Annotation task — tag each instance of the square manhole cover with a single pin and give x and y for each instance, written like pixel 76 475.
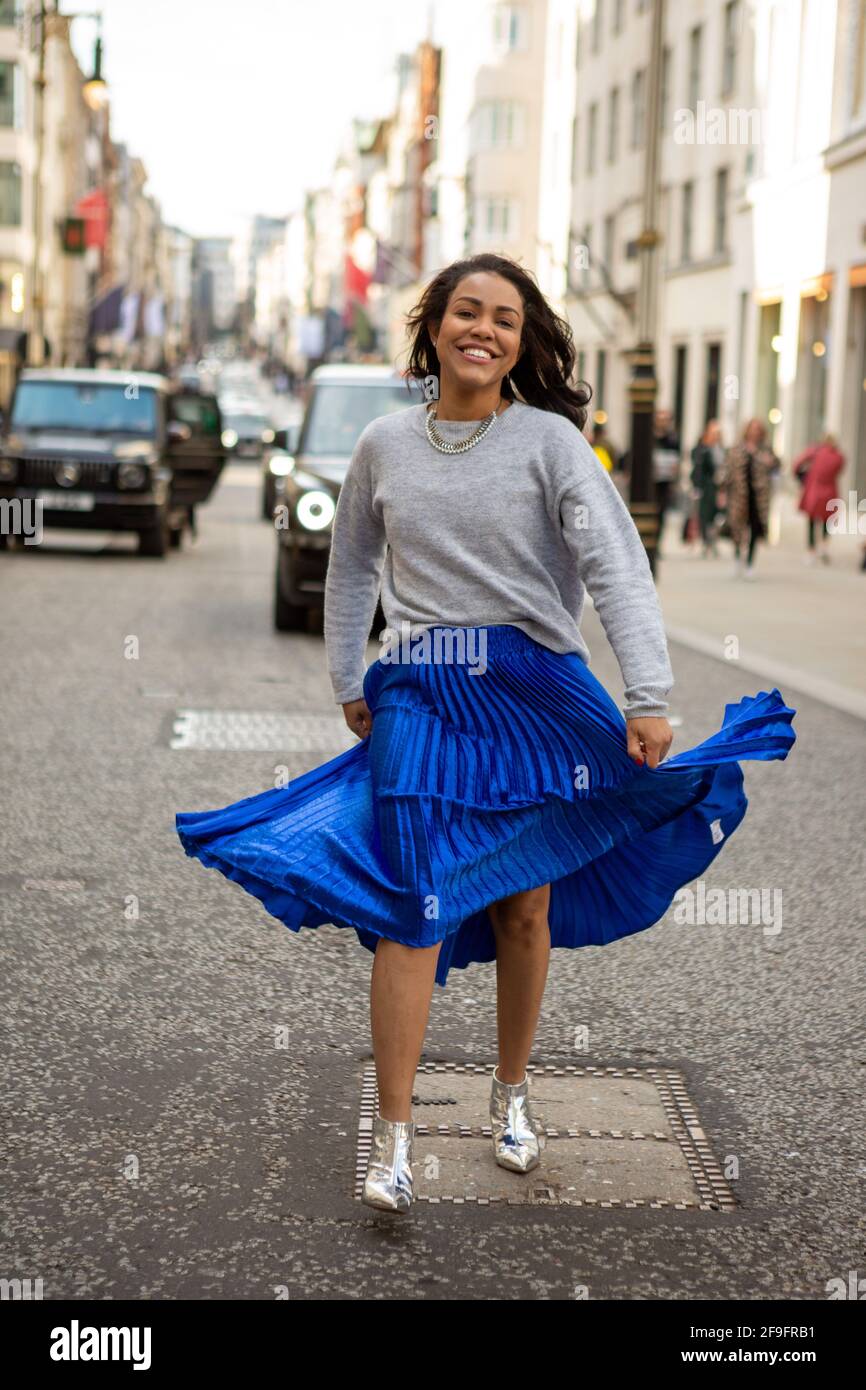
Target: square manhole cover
pixel 260 732
pixel 616 1137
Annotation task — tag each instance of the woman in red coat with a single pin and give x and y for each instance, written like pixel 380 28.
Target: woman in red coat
pixel 818 469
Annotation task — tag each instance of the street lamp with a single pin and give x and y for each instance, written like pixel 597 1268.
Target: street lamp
pixel 642 388
pixel 95 89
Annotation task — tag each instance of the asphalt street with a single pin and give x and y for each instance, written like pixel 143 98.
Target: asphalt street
pixel 158 1144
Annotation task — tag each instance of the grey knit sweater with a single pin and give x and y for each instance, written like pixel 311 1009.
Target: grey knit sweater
pixel 513 531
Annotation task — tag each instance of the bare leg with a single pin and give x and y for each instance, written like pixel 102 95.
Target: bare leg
pixel 522 956
pixel 400 991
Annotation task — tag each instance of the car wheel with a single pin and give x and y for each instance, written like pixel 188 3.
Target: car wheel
pixel 156 539
pixel 175 537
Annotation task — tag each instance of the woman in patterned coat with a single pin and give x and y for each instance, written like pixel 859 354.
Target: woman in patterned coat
pixel 750 466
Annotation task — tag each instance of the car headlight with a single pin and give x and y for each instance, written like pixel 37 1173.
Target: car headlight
pixel 131 475
pixel 229 439
pixel 267 436
pixel 315 510
pixel 280 465
pixel 8 469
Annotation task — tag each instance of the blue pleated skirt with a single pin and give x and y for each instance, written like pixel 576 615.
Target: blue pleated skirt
pixel 475 784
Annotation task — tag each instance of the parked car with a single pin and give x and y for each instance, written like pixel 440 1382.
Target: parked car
pixel 111 450
pixel 343 399
pixel 247 433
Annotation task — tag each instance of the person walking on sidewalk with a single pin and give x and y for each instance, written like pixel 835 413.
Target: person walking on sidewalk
pixel 498 803
pixel 750 467
pixel 818 468
pixel 708 458
pixel 603 447
pixel 665 464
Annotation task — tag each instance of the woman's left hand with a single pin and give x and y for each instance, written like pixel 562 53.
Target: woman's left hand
pixel 649 737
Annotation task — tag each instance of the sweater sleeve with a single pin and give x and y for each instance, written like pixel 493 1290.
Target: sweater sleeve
pixel 358 544
pixel 611 560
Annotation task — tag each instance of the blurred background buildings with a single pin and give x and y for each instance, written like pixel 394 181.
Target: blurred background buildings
pixel 519 128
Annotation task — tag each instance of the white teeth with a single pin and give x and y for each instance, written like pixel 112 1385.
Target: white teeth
pixel 476 352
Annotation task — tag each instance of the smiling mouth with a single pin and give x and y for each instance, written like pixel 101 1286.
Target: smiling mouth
pixel 476 354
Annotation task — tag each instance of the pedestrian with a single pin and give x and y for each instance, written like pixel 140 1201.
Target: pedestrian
pixel 498 803
pixel 708 459
pixel 818 468
pixel 665 463
pixel 751 464
pixel 603 447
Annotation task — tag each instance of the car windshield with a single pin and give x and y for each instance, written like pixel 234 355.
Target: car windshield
pixel 338 412
pixel 79 405
pixel 246 426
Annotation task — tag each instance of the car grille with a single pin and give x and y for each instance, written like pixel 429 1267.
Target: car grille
pixel 39 472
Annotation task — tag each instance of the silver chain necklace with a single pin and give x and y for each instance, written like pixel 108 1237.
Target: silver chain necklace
pixel 446 446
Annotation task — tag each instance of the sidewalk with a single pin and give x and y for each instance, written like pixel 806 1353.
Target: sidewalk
pixel 801 628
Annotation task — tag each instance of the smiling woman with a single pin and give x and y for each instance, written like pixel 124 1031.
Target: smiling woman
pixel 492 810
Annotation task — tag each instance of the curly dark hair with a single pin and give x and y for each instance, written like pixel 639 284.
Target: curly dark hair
pixel 542 374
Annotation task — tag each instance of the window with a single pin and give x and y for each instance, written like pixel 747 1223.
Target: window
pixel 597 23
pixel 608 250
pixel 89 406
pixel 499 125
pixel 858 83
pixel 720 238
pixel 578 43
pixel 714 367
pixel 581 365
pixel 587 231
pixel 665 94
pixel 497 219
pixel 618 16
pixel 686 215
pixel 591 138
pixel 681 355
pixel 9 12
pixel 600 374
pixel 11 113
pixel 638 108
pixel 729 46
pixel 612 124
pixel 10 194
pixel 575 146
pixel 695 40
pixel 509 27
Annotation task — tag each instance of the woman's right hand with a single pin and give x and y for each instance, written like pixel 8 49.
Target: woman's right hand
pixel 358 717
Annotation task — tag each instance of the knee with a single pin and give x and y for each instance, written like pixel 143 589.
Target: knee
pixel 520 925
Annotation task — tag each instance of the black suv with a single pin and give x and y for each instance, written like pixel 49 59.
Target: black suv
pixel 343 399
pixel 111 450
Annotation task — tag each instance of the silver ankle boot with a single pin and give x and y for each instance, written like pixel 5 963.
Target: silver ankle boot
pixel 388 1184
pixel 518 1136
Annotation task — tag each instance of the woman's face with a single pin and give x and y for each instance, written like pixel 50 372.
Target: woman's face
pixel 478 340
pixel 714 432
pixel 754 433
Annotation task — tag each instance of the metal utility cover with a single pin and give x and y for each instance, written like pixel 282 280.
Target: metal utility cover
pixel 616 1137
